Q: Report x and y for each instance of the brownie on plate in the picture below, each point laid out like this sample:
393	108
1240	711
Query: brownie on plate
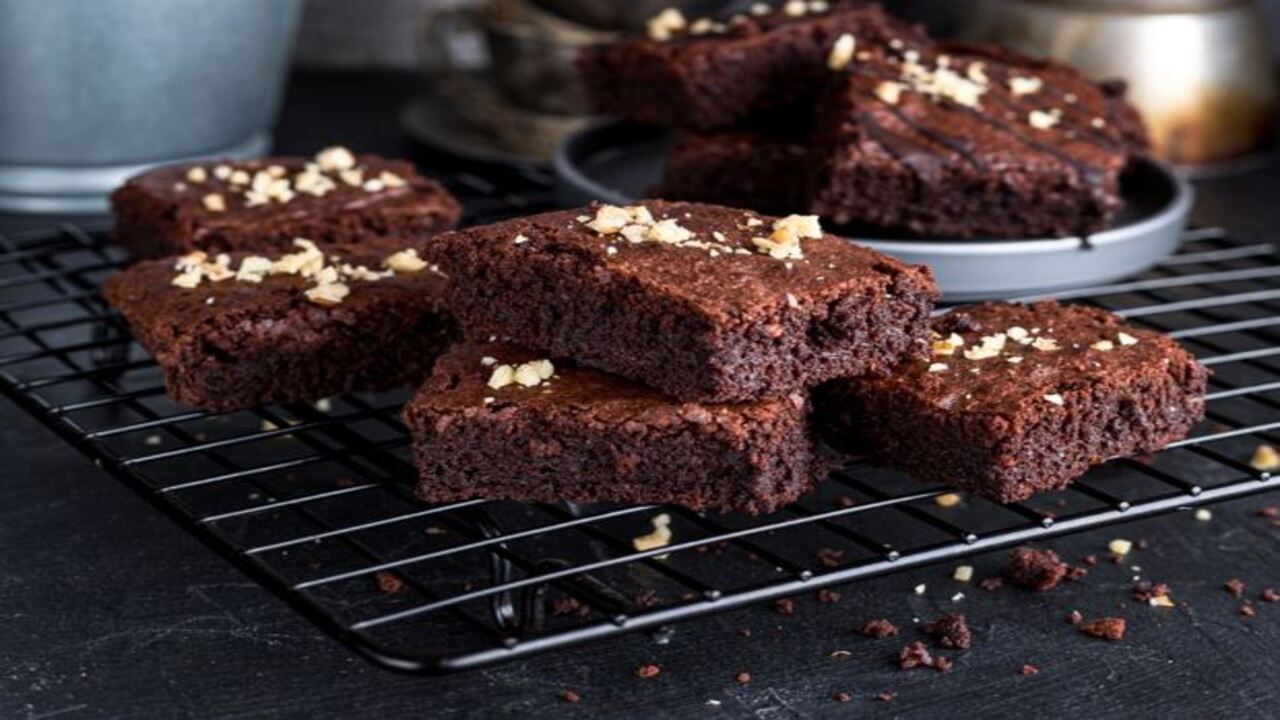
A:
701	302
236	330
263	204
497	421
1019	399
739	169
703	74
957	141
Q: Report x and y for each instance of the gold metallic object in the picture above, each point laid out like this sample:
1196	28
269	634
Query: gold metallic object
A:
1199	70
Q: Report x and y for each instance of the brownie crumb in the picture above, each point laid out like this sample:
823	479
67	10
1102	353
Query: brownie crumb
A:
830	557
744	632
1236	587
991	583
1074	617
785	606
842	697
1269	511
1090	560
389	583
1028	670
1147	592
1077	572
1108	628
569	606
845	501
648	599
878	628
885	697
742	678
1270	595
950	631
1246	610
914	655
570	696
828	596
1035	569
648	671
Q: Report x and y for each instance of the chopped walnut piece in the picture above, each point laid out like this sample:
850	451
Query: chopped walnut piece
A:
842	52
335	159
665	24
947	500
948	345
1126	339
391	180
937	367
253	269
213	202
1120	546
660	537
405	261
328	293
1055	398
1044	344
889	91
962	573
1044	119
1103	345
1020	86
502	376
1265	458
197	174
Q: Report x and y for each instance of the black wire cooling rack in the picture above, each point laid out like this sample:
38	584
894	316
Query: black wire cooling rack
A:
313	501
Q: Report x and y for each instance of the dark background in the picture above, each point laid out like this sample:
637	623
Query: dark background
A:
107	609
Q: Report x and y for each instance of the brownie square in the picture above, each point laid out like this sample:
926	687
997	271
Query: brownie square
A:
947	140
335	198
739	169
501	422
701	302
239	330
1020	399
704	74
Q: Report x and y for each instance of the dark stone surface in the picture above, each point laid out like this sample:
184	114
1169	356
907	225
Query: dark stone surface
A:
107	609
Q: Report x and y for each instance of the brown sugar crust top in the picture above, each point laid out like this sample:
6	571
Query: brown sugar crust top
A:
725	287
1073	364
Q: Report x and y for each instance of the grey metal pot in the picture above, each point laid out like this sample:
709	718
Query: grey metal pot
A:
92	91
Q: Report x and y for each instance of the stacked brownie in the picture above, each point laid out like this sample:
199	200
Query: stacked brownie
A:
286	279
654	353
840	110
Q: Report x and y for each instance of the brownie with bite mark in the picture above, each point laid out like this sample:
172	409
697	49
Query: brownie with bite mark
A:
501	422
703	74
237	330
701	302
1020	399
259	205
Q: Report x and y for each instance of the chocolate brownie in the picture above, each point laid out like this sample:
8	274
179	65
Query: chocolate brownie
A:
501	422
699	301
263	204
704	74
1019	399
739	169
948	140
239	330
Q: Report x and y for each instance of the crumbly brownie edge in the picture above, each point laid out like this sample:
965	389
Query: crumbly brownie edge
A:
518	454
563	304
982	455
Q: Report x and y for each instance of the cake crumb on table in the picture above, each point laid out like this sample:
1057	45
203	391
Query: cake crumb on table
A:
878	628
1035	569
1107	628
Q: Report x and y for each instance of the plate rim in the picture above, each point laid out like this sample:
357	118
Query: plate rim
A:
1179	205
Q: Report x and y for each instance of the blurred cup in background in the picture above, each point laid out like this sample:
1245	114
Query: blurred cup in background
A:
92	91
